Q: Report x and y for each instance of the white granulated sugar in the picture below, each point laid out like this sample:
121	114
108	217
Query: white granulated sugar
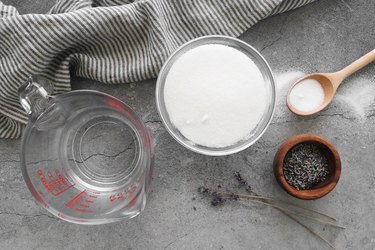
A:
215	95
283	82
307	95
358	94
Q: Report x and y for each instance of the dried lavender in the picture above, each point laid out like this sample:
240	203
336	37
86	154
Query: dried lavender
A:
242	181
291	210
217	198
305	166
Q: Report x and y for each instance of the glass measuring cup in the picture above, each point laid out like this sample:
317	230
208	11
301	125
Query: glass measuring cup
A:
86	156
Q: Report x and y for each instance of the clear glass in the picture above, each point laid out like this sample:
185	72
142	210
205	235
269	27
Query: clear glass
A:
86	156
268	80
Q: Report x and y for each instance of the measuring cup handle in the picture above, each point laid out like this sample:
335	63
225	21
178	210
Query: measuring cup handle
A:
34	95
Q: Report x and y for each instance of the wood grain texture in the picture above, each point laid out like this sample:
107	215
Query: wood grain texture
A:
320	189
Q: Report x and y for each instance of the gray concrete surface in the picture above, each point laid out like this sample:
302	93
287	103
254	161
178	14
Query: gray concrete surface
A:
323	36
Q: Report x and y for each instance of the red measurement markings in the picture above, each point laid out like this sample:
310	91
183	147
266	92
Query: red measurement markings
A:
81	202
127	193
117	106
54	183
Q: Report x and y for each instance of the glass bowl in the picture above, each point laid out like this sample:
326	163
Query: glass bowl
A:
268	80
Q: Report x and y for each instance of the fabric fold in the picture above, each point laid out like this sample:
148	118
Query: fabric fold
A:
111	41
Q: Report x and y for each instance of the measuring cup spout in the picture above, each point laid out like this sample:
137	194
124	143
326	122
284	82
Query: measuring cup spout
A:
34	95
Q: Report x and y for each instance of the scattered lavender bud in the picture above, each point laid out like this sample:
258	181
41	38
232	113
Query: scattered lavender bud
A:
217	200
203	190
242	181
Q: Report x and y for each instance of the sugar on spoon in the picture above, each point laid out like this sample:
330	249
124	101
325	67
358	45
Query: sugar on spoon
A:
329	83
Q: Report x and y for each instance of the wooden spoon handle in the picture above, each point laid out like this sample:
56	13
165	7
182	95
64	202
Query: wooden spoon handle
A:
357	65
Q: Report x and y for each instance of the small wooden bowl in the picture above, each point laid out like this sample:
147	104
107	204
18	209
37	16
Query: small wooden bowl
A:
334	163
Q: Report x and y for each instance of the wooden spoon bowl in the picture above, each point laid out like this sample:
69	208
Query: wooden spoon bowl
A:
322	188
329	85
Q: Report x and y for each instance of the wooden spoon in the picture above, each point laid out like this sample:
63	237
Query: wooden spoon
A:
330	82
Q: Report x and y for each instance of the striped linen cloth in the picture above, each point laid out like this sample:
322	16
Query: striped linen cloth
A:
111	41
